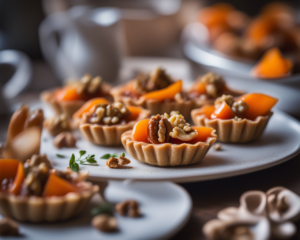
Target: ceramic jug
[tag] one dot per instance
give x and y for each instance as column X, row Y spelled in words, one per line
column 89, row 42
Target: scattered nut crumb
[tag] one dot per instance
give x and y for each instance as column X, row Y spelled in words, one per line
column 105, row 223
column 129, row 207
column 117, row 162
column 8, row 227
column 217, row 147
column 65, row 139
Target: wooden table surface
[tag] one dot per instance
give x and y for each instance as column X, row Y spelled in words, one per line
column 209, row 197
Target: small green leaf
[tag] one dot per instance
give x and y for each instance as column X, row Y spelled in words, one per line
column 74, row 167
column 122, row 154
column 72, row 159
column 82, row 152
column 103, row 208
column 114, row 155
column 91, row 161
column 106, row 156
column 60, row 155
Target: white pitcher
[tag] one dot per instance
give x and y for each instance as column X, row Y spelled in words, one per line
column 90, row 42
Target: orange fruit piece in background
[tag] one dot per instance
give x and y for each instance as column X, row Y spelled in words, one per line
column 56, row 186
column 67, row 94
column 272, row 65
column 134, row 113
column 203, row 134
column 259, row 104
column 166, row 93
column 223, row 112
column 207, row 110
column 88, row 106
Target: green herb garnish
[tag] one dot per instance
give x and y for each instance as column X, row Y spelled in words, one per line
column 89, row 159
column 108, row 156
column 103, row 208
column 73, row 165
column 60, row 155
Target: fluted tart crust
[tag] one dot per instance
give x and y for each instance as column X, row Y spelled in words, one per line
column 167, row 154
column 233, row 131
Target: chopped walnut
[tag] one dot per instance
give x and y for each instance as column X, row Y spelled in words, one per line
column 107, row 114
column 224, row 98
column 65, row 139
column 57, row 124
column 181, row 129
column 88, row 85
column 129, row 207
column 213, row 83
column 239, row 107
column 105, row 223
column 36, row 179
column 8, row 227
column 217, row 147
column 117, row 162
column 36, row 160
column 156, row 80
column 158, row 129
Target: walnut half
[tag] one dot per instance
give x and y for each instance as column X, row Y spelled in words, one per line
column 129, row 207
column 158, row 129
column 65, row 139
column 117, row 162
column 105, row 223
column 8, row 227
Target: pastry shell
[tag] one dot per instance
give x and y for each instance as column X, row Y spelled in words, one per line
column 50, row 209
column 167, row 154
column 67, row 107
column 155, row 106
column 233, row 131
column 105, row 135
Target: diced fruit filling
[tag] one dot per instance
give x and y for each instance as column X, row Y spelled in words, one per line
column 107, row 113
column 168, row 129
column 84, row 89
column 36, row 178
column 249, row 106
column 272, row 65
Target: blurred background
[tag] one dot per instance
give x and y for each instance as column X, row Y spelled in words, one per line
column 67, row 38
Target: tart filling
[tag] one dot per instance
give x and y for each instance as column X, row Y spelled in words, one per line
column 155, row 91
column 103, row 123
column 239, row 121
column 35, row 192
column 70, row 98
column 167, row 140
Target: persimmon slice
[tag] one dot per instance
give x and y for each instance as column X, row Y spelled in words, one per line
column 67, row 94
column 8, row 169
column 259, row 104
column 207, row 110
column 272, row 65
column 203, row 134
column 223, row 112
column 166, row 93
column 57, row 186
column 134, row 113
column 139, row 132
column 15, row 187
column 88, row 106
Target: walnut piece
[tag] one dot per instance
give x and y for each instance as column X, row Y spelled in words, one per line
column 105, row 223
column 57, row 124
column 213, row 83
column 8, row 227
column 217, row 147
column 107, row 114
column 65, row 139
column 224, row 98
column 117, row 162
column 181, row 129
column 88, row 85
column 239, row 107
column 129, row 207
column 158, row 129
column 36, row 160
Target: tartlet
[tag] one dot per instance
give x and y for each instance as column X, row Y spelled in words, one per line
column 156, row 92
column 104, row 123
column 69, row 99
column 238, row 121
column 24, row 201
column 162, row 141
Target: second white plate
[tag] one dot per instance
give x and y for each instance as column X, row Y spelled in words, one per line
column 280, row 142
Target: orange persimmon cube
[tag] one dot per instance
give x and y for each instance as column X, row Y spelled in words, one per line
column 88, row 106
column 139, row 132
column 207, row 110
column 272, row 65
column 15, row 187
column 223, row 112
column 203, row 134
column 8, row 169
column 200, row 88
column 68, row 93
column 259, row 104
column 166, row 93
column 56, row 186
column 134, row 113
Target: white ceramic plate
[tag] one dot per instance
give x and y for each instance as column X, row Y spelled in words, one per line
column 280, row 142
column 165, row 210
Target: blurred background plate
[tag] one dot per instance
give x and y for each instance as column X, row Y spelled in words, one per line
column 165, row 209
